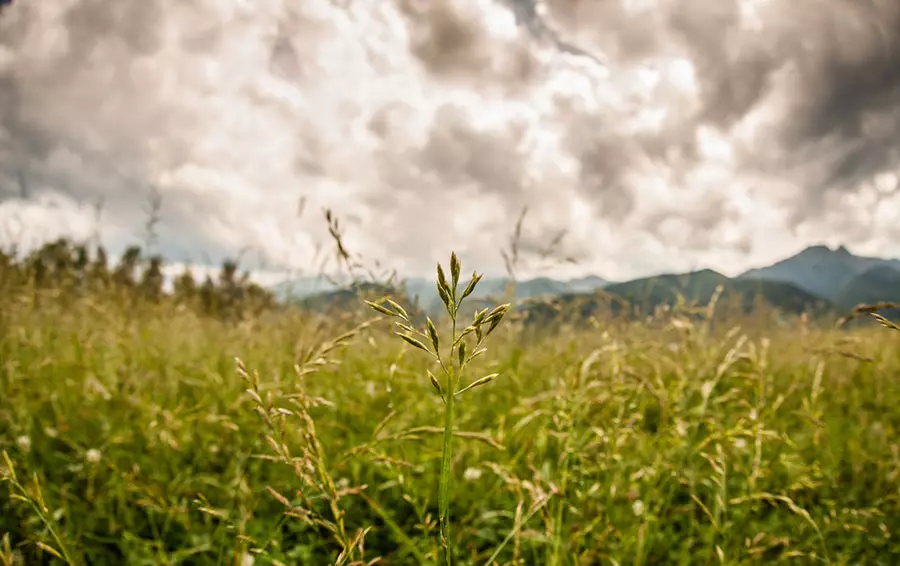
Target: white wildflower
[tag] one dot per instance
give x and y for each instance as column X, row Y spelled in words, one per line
column 638, row 507
column 472, row 474
column 93, row 455
column 24, row 443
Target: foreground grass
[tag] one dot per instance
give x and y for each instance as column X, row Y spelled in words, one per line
column 664, row 442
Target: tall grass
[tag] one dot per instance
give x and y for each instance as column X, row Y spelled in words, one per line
column 130, row 437
column 453, row 365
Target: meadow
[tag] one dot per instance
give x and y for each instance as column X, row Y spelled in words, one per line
column 139, row 431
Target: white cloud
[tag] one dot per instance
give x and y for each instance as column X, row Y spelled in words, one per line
column 685, row 138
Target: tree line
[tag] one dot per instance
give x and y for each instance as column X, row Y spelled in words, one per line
column 68, row 270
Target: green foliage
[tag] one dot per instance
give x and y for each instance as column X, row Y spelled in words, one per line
column 67, row 272
column 682, row 438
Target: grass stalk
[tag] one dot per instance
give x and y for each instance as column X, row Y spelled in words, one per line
column 452, row 365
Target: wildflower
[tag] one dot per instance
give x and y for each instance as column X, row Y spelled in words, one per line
column 637, row 507
column 24, row 443
column 93, row 455
column 472, row 474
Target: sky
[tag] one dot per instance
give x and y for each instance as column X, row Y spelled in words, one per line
column 644, row 136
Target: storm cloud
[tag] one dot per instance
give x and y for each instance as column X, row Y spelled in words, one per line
column 659, row 134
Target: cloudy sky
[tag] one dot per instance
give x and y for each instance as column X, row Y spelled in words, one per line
column 660, row 134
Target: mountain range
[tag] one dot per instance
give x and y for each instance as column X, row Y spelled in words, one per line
column 424, row 289
column 818, row 280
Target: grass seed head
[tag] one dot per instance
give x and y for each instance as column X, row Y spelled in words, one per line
column 432, row 332
column 472, row 284
column 455, row 268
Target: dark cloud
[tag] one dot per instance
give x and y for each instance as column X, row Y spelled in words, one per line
column 452, row 41
column 843, row 63
column 852, row 84
column 837, row 63
column 462, row 155
column 604, row 160
column 136, row 25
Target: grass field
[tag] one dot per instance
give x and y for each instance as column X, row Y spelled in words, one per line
column 131, row 438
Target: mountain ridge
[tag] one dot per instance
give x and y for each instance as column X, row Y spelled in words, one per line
column 817, row 278
column 820, row 269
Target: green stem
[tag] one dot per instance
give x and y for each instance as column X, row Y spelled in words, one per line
column 447, row 456
column 444, row 493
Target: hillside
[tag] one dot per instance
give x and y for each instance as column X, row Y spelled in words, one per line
column 697, row 286
column 879, row 284
column 874, row 285
column 646, row 294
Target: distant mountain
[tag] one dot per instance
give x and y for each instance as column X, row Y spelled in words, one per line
column 304, row 286
column 698, row 287
column 318, row 290
column 495, row 287
column 820, row 270
column 349, row 300
column 642, row 296
column 587, row 284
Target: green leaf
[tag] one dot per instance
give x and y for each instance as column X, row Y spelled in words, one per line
column 414, row 342
column 435, row 383
column 478, row 382
column 380, row 308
